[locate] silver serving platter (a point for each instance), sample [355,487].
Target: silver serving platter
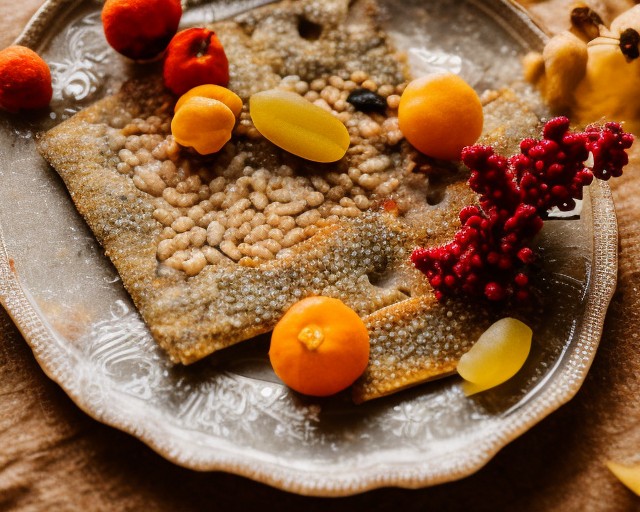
[229,412]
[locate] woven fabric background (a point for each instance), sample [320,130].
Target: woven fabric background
[54,457]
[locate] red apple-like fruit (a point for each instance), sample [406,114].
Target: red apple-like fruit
[140,29]
[195,57]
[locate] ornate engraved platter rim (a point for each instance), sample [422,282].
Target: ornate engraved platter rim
[199,451]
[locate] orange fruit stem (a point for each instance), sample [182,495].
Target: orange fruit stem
[319,347]
[311,336]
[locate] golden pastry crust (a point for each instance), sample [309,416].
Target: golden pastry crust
[171,223]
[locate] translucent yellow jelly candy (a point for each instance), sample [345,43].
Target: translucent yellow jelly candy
[496,357]
[628,475]
[298,126]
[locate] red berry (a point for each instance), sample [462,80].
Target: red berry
[494,291]
[525,255]
[521,280]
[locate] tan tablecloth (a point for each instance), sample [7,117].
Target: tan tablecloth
[54,457]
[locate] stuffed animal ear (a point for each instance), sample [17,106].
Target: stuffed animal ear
[565,63]
[628,19]
[585,23]
[533,68]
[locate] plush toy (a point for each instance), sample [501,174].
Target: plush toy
[592,72]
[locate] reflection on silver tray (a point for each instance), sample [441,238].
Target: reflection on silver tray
[229,412]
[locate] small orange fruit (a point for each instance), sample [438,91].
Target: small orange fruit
[25,80]
[204,124]
[440,114]
[215,92]
[319,347]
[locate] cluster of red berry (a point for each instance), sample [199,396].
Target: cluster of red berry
[490,253]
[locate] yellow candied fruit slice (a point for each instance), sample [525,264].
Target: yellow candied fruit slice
[298,126]
[628,475]
[215,92]
[204,124]
[497,356]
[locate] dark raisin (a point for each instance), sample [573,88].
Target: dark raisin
[367,101]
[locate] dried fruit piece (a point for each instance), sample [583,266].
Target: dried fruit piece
[298,126]
[628,475]
[319,347]
[367,101]
[496,357]
[204,124]
[140,29]
[440,114]
[195,57]
[215,92]
[25,79]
